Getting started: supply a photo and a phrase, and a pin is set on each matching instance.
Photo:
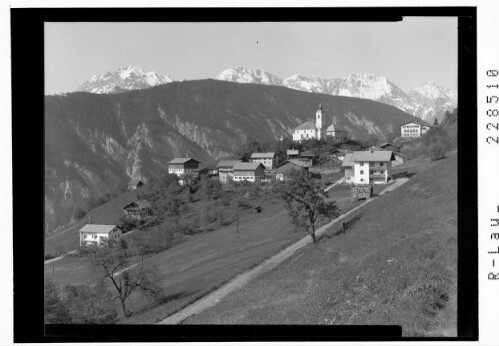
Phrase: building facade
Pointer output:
(284, 168)
(266, 159)
(413, 129)
(138, 209)
(226, 170)
(249, 171)
(92, 234)
(180, 166)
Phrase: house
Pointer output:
(226, 170)
(138, 209)
(307, 157)
(283, 169)
(266, 159)
(92, 234)
(134, 184)
(249, 171)
(334, 133)
(292, 153)
(309, 130)
(329, 165)
(180, 166)
(399, 158)
(369, 167)
(347, 166)
(414, 129)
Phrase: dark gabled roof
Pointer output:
(307, 154)
(292, 152)
(135, 182)
(247, 166)
(295, 162)
(142, 204)
(182, 160)
(306, 126)
(227, 163)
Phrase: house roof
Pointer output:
(294, 162)
(374, 155)
(262, 155)
(182, 160)
(142, 204)
(419, 122)
(306, 126)
(92, 228)
(337, 150)
(227, 163)
(347, 161)
(292, 152)
(307, 154)
(246, 166)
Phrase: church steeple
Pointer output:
(318, 122)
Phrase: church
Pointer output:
(309, 130)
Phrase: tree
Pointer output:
(435, 122)
(114, 265)
(305, 201)
(54, 309)
(89, 304)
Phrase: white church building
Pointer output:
(309, 130)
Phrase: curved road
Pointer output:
(242, 279)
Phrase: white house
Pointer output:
(249, 171)
(183, 165)
(266, 159)
(368, 167)
(226, 170)
(414, 129)
(92, 234)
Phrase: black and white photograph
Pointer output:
(257, 173)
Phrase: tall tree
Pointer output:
(305, 201)
(127, 278)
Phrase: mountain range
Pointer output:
(429, 101)
(96, 143)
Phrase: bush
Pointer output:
(437, 151)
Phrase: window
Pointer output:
(361, 179)
(371, 164)
(371, 172)
(362, 164)
(381, 164)
(361, 172)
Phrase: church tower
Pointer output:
(318, 122)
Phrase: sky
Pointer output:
(410, 52)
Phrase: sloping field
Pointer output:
(106, 214)
(396, 264)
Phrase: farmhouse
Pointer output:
(266, 159)
(414, 129)
(293, 153)
(284, 168)
(134, 184)
(92, 234)
(368, 167)
(307, 157)
(329, 165)
(249, 171)
(138, 209)
(181, 166)
(336, 134)
(226, 170)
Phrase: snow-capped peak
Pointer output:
(123, 79)
(243, 75)
(432, 91)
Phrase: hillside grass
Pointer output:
(105, 214)
(396, 264)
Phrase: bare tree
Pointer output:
(305, 200)
(127, 278)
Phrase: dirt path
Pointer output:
(242, 279)
(333, 185)
(70, 228)
(58, 258)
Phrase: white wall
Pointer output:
(358, 177)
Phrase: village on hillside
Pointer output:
(350, 162)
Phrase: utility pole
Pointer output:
(237, 214)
